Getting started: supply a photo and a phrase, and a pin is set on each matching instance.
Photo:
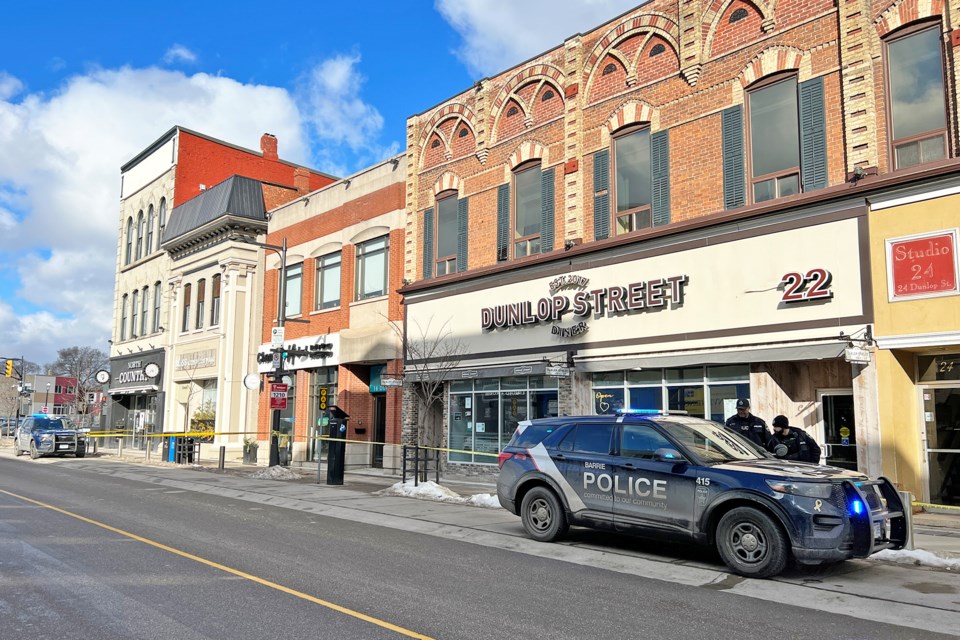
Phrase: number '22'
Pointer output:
(815, 285)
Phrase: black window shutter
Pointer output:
(428, 243)
(601, 194)
(813, 135)
(734, 189)
(503, 221)
(462, 227)
(546, 210)
(660, 177)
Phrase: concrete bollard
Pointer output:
(223, 456)
(907, 499)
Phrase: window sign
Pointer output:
(922, 266)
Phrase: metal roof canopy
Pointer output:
(791, 353)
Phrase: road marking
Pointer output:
(236, 572)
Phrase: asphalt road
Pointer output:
(84, 555)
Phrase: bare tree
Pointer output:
(81, 363)
(429, 357)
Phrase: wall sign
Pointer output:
(922, 266)
(811, 286)
(601, 302)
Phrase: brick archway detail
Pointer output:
(446, 112)
(528, 150)
(719, 8)
(654, 23)
(904, 12)
(633, 112)
(770, 61)
(447, 181)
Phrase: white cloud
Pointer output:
(179, 53)
(59, 187)
(498, 34)
(331, 96)
(9, 86)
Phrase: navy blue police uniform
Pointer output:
(750, 427)
(800, 446)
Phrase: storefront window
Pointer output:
(939, 368)
(484, 414)
(323, 395)
(690, 389)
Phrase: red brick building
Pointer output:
(344, 266)
(699, 140)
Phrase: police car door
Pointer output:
(583, 458)
(647, 492)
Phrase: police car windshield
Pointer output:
(710, 441)
(47, 424)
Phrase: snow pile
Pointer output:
(275, 473)
(917, 557)
(432, 491)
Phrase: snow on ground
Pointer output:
(917, 557)
(430, 490)
(275, 473)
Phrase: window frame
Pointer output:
(362, 255)
(140, 234)
(144, 307)
(134, 312)
(892, 144)
(151, 219)
(161, 220)
(215, 293)
(157, 296)
(514, 239)
(449, 261)
(123, 316)
(321, 268)
(187, 294)
(635, 213)
(766, 83)
(201, 299)
(293, 273)
(129, 252)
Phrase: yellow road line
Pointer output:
(236, 572)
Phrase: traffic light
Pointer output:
(8, 369)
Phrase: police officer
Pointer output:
(800, 446)
(748, 425)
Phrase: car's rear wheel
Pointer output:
(751, 543)
(542, 515)
(34, 454)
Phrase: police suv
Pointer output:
(43, 435)
(658, 473)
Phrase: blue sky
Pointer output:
(85, 86)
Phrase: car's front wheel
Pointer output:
(16, 447)
(751, 543)
(542, 515)
(81, 452)
(34, 454)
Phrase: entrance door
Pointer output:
(379, 427)
(941, 415)
(837, 428)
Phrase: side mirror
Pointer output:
(665, 454)
(781, 451)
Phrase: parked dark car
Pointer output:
(42, 435)
(659, 474)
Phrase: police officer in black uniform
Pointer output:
(748, 425)
(800, 446)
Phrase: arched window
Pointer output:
(134, 309)
(150, 221)
(918, 115)
(156, 306)
(739, 14)
(129, 253)
(201, 300)
(512, 111)
(185, 325)
(215, 301)
(610, 68)
(657, 49)
(547, 95)
(123, 318)
(162, 219)
(140, 231)
(144, 309)
(464, 132)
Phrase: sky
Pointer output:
(84, 87)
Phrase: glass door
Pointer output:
(941, 416)
(837, 428)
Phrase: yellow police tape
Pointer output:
(936, 506)
(207, 434)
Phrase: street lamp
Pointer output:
(281, 251)
(46, 398)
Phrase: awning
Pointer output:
(790, 353)
(503, 371)
(146, 388)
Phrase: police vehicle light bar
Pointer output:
(647, 412)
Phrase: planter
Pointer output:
(250, 456)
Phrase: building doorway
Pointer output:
(941, 417)
(837, 428)
(379, 428)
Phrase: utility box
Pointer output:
(336, 452)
